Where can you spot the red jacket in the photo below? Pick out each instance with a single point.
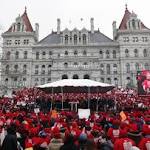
(144, 144)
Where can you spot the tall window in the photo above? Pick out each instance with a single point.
(84, 38)
(108, 68)
(136, 53)
(43, 55)
(137, 66)
(25, 55)
(6, 81)
(24, 81)
(36, 69)
(115, 68)
(102, 69)
(17, 55)
(66, 39)
(133, 23)
(8, 55)
(102, 80)
(37, 55)
(75, 39)
(42, 80)
(114, 54)
(36, 81)
(116, 81)
(7, 69)
(128, 68)
(18, 27)
(84, 53)
(16, 68)
(49, 69)
(146, 66)
(109, 80)
(126, 53)
(43, 69)
(145, 52)
(107, 54)
(66, 53)
(24, 69)
(101, 54)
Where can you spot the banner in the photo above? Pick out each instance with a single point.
(84, 113)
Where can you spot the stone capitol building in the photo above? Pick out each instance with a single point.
(77, 54)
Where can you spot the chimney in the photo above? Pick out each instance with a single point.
(37, 31)
(92, 25)
(58, 26)
(114, 29)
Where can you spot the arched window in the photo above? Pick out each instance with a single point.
(137, 66)
(16, 68)
(75, 39)
(49, 69)
(84, 53)
(24, 69)
(133, 23)
(66, 39)
(101, 54)
(7, 69)
(109, 80)
(128, 68)
(108, 68)
(43, 69)
(84, 38)
(75, 76)
(86, 76)
(107, 54)
(146, 66)
(17, 55)
(126, 53)
(102, 69)
(64, 76)
(136, 53)
(37, 55)
(102, 80)
(116, 81)
(66, 53)
(114, 54)
(145, 52)
(65, 64)
(43, 55)
(18, 26)
(24, 81)
(25, 54)
(6, 81)
(8, 55)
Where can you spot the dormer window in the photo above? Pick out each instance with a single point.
(75, 39)
(84, 38)
(66, 39)
(18, 26)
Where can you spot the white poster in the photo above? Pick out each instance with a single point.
(84, 113)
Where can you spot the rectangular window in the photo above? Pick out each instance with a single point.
(144, 39)
(26, 42)
(8, 42)
(17, 42)
(125, 39)
(135, 39)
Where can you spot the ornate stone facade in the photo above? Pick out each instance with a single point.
(74, 54)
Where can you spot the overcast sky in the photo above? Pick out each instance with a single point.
(46, 12)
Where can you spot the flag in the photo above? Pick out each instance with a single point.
(123, 116)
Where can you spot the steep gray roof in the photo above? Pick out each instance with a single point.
(98, 37)
(54, 38)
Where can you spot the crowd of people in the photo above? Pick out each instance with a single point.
(32, 120)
